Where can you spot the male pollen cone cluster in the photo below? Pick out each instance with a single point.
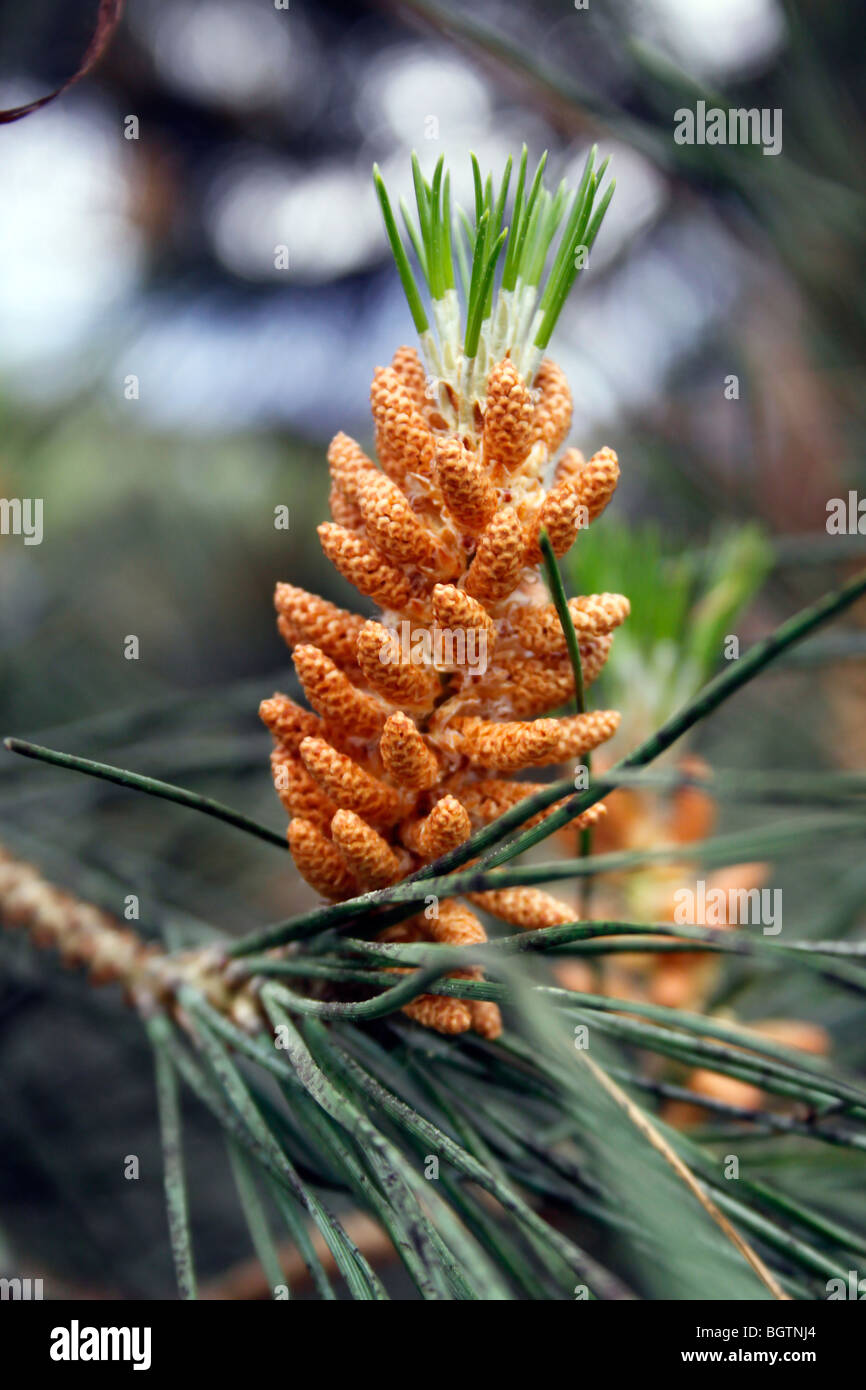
(678, 979)
(421, 718)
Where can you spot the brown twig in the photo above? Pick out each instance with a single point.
(107, 21)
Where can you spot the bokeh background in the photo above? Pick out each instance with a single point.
(155, 258)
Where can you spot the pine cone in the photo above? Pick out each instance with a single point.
(415, 711)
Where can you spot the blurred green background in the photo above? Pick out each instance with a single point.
(154, 258)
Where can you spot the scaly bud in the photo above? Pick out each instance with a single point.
(333, 695)
(407, 364)
(529, 908)
(348, 465)
(499, 559)
(469, 495)
(319, 861)
(552, 417)
(406, 755)
(403, 439)
(348, 785)
(560, 516)
(446, 827)
(389, 672)
(367, 855)
(362, 565)
(508, 418)
(296, 789)
(539, 628)
(455, 610)
(309, 618)
(396, 531)
(287, 721)
(596, 482)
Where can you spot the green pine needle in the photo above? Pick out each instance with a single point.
(517, 254)
(410, 289)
